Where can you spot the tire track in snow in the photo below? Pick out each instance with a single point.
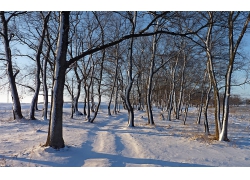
(104, 142)
(131, 148)
(116, 145)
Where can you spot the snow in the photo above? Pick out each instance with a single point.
(108, 142)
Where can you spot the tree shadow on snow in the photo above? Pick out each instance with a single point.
(120, 160)
(78, 156)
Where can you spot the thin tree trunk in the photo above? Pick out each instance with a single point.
(201, 100)
(232, 52)
(33, 104)
(88, 118)
(99, 89)
(92, 95)
(45, 87)
(35, 97)
(130, 79)
(116, 98)
(85, 99)
(213, 79)
(185, 113)
(181, 88)
(206, 126)
(72, 99)
(171, 95)
(150, 79)
(76, 98)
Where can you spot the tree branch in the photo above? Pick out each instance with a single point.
(98, 48)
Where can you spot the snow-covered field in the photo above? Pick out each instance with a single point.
(108, 142)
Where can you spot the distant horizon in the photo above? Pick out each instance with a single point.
(28, 99)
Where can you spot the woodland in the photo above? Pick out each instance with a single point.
(134, 60)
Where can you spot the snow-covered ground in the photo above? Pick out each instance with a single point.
(108, 142)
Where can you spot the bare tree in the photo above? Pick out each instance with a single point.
(55, 138)
(233, 47)
(7, 37)
(38, 66)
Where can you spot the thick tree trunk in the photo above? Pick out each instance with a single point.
(17, 112)
(56, 136)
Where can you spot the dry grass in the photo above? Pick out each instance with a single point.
(208, 139)
(3, 162)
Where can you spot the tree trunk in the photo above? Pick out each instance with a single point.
(201, 100)
(232, 52)
(205, 109)
(17, 112)
(150, 79)
(99, 88)
(76, 98)
(45, 88)
(85, 99)
(213, 79)
(116, 98)
(171, 94)
(185, 113)
(92, 94)
(56, 138)
(181, 88)
(38, 71)
(130, 79)
(72, 99)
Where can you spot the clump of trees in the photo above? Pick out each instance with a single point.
(172, 60)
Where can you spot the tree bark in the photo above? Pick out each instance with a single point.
(76, 98)
(150, 79)
(38, 70)
(171, 94)
(17, 112)
(130, 79)
(232, 53)
(206, 126)
(56, 139)
(212, 78)
(201, 99)
(181, 87)
(45, 87)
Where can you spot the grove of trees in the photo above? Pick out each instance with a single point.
(171, 60)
